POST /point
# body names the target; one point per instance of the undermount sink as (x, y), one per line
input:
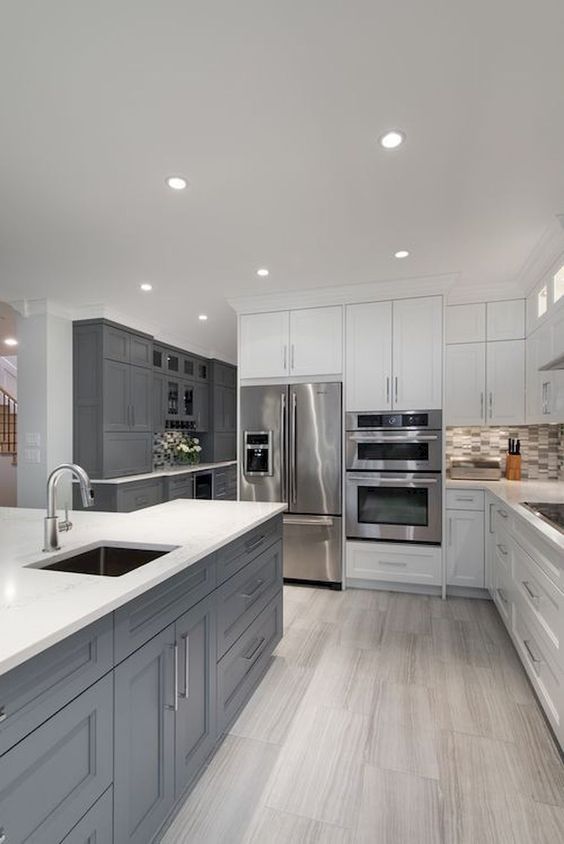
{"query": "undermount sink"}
(106, 560)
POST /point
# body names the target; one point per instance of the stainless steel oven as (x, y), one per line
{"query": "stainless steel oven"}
(394, 479)
(406, 442)
(394, 506)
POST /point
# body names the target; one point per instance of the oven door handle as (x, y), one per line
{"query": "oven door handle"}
(382, 438)
(353, 477)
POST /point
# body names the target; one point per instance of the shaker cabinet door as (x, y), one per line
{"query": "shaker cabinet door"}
(418, 353)
(145, 696)
(316, 337)
(465, 548)
(505, 381)
(263, 340)
(369, 356)
(465, 398)
(117, 404)
(141, 392)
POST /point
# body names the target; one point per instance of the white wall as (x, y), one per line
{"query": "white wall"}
(8, 482)
(44, 401)
(9, 375)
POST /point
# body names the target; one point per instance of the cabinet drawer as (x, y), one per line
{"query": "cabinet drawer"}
(240, 552)
(502, 594)
(542, 598)
(32, 692)
(141, 619)
(244, 596)
(242, 666)
(543, 552)
(501, 517)
(50, 779)
(503, 550)
(544, 674)
(136, 496)
(96, 827)
(465, 499)
(386, 561)
(182, 487)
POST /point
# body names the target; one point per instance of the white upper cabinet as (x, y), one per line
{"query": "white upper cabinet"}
(263, 343)
(417, 353)
(505, 381)
(506, 320)
(316, 341)
(465, 384)
(369, 356)
(466, 323)
(306, 342)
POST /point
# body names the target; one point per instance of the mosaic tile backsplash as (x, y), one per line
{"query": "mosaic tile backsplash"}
(164, 445)
(542, 447)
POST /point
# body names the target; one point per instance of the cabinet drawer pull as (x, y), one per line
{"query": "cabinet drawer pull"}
(173, 706)
(3, 716)
(491, 525)
(256, 649)
(254, 591)
(502, 513)
(186, 692)
(502, 595)
(395, 563)
(502, 549)
(3, 836)
(465, 498)
(532, 595)
(535, 659)
(251, 544)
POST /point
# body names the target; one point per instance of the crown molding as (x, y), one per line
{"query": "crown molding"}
(372, 291)
(36, 307)
(543, 256)
(469, 294)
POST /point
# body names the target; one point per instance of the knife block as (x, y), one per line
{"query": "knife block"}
(513, 467)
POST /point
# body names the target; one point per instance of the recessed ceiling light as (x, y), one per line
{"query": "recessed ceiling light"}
(392, 139)
(403, 253)
(263, 272)
(11, 341)
(202, 317)
(146, 287)
(176, 182)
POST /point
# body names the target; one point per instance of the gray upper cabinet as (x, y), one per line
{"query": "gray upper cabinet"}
(223, 411)
(160, 401)
(201, 407)
(117, 407)
(141, 399)
(145, 700)
(127, 346)
(196, 716)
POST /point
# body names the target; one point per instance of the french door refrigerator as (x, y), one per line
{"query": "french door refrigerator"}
(291, 451)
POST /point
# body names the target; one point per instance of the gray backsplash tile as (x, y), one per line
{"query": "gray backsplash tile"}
(542, 447)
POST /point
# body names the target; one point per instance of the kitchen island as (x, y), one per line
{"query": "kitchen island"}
(114, 691)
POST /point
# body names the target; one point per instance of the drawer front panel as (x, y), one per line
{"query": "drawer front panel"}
(50, 780)
(542, 598)
(240, 552)
(32, 692)
(502, 594)
(242, 666)
(135, 496)
(97, 826)
(545, 676)
(502, 517)
(544, 554)
(503, 550)
(144, 617)
(244, 596)
(395, 563)
(465, 499)
(182, 487)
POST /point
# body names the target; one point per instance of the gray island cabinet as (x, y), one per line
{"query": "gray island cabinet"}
(103, 734)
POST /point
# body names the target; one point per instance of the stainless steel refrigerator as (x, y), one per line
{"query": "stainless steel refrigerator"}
(291, 451)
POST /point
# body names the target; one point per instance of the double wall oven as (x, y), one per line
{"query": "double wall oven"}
(394, 476)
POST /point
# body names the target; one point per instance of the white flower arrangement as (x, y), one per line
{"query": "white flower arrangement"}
(188, 450)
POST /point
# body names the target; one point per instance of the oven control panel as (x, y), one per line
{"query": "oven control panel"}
(421, 419)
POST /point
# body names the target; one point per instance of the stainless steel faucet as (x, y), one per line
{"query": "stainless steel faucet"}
(52, 524)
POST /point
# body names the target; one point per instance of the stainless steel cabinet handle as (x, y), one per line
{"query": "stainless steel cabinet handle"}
(396, 389)
(532, 595)
(464, 498)
(254, 591)
(450, 530)
(311, 521)
(174, 705)
(292, 365)
(255, 650)
(251, 544)
(481, 405)
(387, 389)
(491, 405)
(502, 595)
(186, 692)
(353, 478)
(502, 549)
(285, 358)
(502, 513)
(3, 713)
(536, 659)
(491, 517)
(294, 449)
(394, 563)
(371, 437)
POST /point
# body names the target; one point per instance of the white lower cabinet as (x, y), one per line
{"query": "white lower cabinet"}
(394, 562)
(465, 548)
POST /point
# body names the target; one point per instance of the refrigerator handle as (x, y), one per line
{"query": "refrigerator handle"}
(294, 471)
(283, 467)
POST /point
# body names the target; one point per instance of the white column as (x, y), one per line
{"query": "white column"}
(44, 399)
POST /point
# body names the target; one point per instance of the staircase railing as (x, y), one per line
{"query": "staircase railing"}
(8, 424)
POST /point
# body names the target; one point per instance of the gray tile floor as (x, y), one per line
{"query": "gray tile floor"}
(385, 718)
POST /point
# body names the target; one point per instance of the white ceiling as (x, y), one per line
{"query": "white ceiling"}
(272, 111)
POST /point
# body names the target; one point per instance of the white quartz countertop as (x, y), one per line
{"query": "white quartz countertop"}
(165, 473)
(514, 493)
(40, 608)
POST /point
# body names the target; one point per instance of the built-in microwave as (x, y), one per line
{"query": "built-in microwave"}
(389, 442)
